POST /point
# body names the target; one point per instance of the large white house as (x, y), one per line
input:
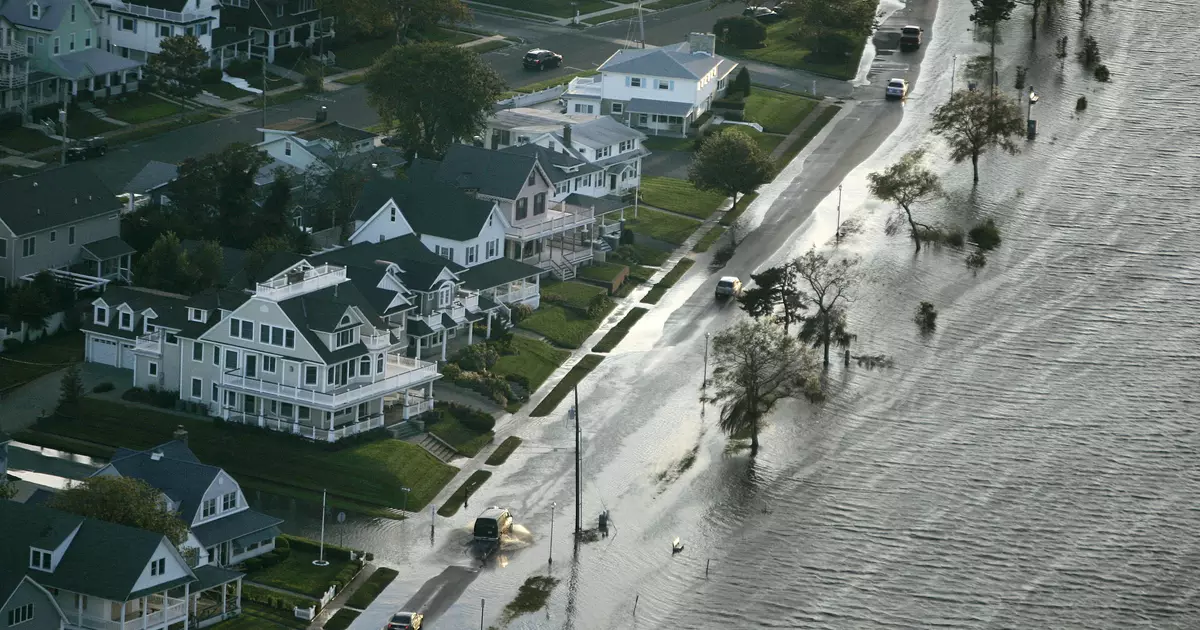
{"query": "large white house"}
(136, 29)
(662, 90)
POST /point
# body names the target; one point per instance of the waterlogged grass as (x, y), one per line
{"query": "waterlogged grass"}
(576, 295)
(808, 134)
(370, 589)
(534, 358)
(662, 226)
(502, 452)
(680, 196)
(618, 332)
(572, 378)
(708, 239)
(659, 290)
(341, 619)
(777, 112)
(564, 326)
(736, 211)
(464, 492)
(531, 597)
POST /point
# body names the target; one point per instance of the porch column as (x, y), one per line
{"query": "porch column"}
(238, 601)
(292, 36)
(444, 344)
(489, 325)
(146, 607)
(224, 597)
(429, 393)
(124, 605)
(407, 402)
(79, 611)
(470, 333)
(187, 594)
(418, 347)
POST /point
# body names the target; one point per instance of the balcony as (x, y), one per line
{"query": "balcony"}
(298, 283)
(175, 612)
(12, 52)
(304, 430)
(400, 373)
(377, 341)
(585, 87)
(558, 219)
(150, 344)
(13, 78)
(516, 292)
(157, 14)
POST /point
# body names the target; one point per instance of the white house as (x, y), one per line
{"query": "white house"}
(136, 29)
(303, 142)
(663, 90)
(519, 125)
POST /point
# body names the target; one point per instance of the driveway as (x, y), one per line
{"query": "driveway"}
(23, 406)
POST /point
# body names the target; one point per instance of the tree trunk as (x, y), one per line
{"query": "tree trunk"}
(916, 236)
(975, 165)
(1033, 18)
(754, 436)
(992, 78)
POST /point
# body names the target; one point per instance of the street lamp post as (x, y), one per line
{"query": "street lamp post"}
(405, 491)
(706, 337)
(552, 506)
(1030, 123)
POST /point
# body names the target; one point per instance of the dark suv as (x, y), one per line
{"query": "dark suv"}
(86, 148)
(910, 37)
(539, 59)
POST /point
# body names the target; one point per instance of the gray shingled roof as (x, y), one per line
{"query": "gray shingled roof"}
(430, 207)
(184, 480)
(554, 162)
(663, 108)
(603, 131)
(234, 526)
(497, 272)
(169, 307)
(492, 173)
(108, 248)
(17, 12)
(92, 62)
(673, 62)
(321, 310)
(59, 196)
(153, 175)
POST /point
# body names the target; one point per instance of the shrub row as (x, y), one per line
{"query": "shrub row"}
(267, 560)
(312, 546)
(274, 599)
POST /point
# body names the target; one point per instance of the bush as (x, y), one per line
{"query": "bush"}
(926, 317)
(1081, 104)
(478, 358)
(253, 564)
(451, 371)
(598, 306)
(735, 116)
(1101, 73)
(521, 312)
(741, 32)
(741, 83)
(729, 104)
(10, 120)
(100, 388)
(282, 543)
(208, 76)
(11, 344)
(472, 419)
(985, 235)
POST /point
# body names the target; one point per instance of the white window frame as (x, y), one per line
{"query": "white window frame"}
(71, 235)
(29, 246)
(152, 368)
(197, 388)
(445, 295)
(663, 84)
(87, 38)
(617, 108)
(56, 45)
(344, 338)
(316, 375)
(269, 364)
(18, 615)
(208, 508)
(164, 30)
(238, 328)
(472, 254)
(491, 249)
(635, 82)
(71, 37)
(100, 315)
(53, 235)
(287, 147)
(39, 559)
(229, 500)
(121, 320)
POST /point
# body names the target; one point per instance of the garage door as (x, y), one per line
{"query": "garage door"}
(104, 351)
(127, 356)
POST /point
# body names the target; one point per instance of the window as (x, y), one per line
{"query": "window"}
(101, 316)
(634, 81)
(87, 38)
(393, 215)
(147, 327)
(72, 14)
(364, 366)
(29, 44)
(550, 145)
(127, 24)
(126, 321)
(57, 45)
(581, 108)
(20, 614)
(216, 355)
(626, 145)
(310, 375)
(445, 252)
(522, 208)
(491, 249)
(279, 11)
(603, 152)
(269, 364)
(39, 559)
(210, 508)
(289, 339)
(81, 601)
(287, 147)
(196, 315)
(158, 567)
(29, 247)
(71, 38)
(71, 235)
(472, 254)
(277, 336)
(231, 360)
(531, 179)
(618, 108)
(197, 388)
(216, 394)
(444, 295)
(53, 235)
(35, 10)
(241, 329)
(189, 30)
(539, 204)
(229, 501)
(172, 339)
(306, 5)
(344, 338)
(202, 29)
(152, 367)
(164, 30)
(663, 84)
(379, 364)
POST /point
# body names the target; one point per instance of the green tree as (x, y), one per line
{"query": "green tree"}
(739, 31)
(8, 489)
(774, 294)
(732, 163)
(990, 13)
(975, 121)
(213, 196)
(176, 68)
(275, 218)
(408, 86)
(905, 184)
(741, 82)
(833, 24)
(70, 395)
(262, 251)
(402, 16)
(826, 286)
(206, 262)
(30, 306)
(123, 500)
(756, 366)
(166, 266)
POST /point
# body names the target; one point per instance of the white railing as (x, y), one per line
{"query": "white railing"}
(157, 14)
(402, 373)
(561, 218)
(156, 618)
(585, 86)
(151, 343)
(13, 51)
(418, 408)
(289, 285)
(14, 78)
(470, 300)
(377, 342)
(516, 295)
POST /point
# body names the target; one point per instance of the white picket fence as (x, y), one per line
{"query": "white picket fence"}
(308, 614)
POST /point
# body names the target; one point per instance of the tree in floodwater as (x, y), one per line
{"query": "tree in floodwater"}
(973, 122)
(826, 285)
(991, 13)
(906, 183)
(774, 294)
(757, 365)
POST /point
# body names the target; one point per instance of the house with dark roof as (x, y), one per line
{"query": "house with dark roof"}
(65, 220)
(462, 222)
(149, 185)
(661, 90)
(124, 318)
(26, 603)
(276, 24)
(135, 30)
(305, 143)
(221, 524)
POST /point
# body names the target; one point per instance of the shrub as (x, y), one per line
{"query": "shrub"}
(10, 120)
(598, 306)
(985, 235)
(741, 32)
(926, 317)
(242, 67)
(735, 116)
(729, 104)
(741, 83)
(521, 312)
(519, 379)
(478, 357)
(253, 564)
(208, 76)
(11, 344)
(626, 237)
(473, 419)
(282, 543)
(1081, 104)
(100, 388)
(451, 371)
(1101, 73)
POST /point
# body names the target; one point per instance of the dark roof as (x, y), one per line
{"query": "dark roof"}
(208, 576)
(233, 259)
(108, 248)
(665, 108)
(321, 310)
(430, 207)
(5, 438)
(103, 560)
(261, 14)
(41, 496)
(602, 205)
(55, 197)
(419, 266)
(233, 526)
(184, 480)
(168, 306)
(554, 162)
(17, 12)
(153, 175)
(497, 272)
(492, 173)
(218, 299)
(418, 328)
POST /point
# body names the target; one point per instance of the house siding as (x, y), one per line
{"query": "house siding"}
(380, 226)
(222, 485)
(492, 232)
(260, 311)
(45, 615)
(84, 19)
(175, 568)
(147, 38)
(60, 253)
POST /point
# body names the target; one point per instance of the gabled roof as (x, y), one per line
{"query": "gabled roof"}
(178, 474)
(492, 173)
(534, 120)
(17, 12)
(497, 272)
(92, 62)
(555, 163)
(154, 175)
(430, 207)
(104, 559)
(675, 62)
(419, 267)
(169, 307)
(236, 525)
(107, 249)
(46, 199)
(310, 129)
(603, 131)
(321, 310)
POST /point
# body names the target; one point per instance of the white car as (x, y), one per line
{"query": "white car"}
(896, 89)
(729, 286)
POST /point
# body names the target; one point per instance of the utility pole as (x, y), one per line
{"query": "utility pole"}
(704, 384)
(837, 229)
(553, 506)
(578, 474)
(264, 95)
(641, 26)
(62, 119)
(321, 562)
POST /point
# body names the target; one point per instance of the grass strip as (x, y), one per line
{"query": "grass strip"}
(618, 332)
(487, 47)
(808, 134)
(341, 619)
(662, 226)
(531, 597)
(464, 492)
(502, 452)
(655, 294)
(32, 360)
(371, 588)
(353, 79)
(680, 196)
(565, 326)
(572, 378)
(735, 212)
(707, 241)
(535, 359)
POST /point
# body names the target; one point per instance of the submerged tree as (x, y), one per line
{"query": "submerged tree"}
(70, 393)
(973, 122)
(907, 183)
(826, 285)
(774, 294)
(991, 13)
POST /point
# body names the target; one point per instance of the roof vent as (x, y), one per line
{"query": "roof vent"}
(155, 456)
(35, 184)
(39, 211)
(77, 201)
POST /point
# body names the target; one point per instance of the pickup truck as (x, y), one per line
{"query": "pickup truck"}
(910, 37)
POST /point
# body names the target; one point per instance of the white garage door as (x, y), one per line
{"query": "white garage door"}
(127, 356)
(104, 351)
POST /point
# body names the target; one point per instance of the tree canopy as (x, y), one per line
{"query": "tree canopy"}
(168, 266)
(176, 68)
(975, 121)
(774, 294)
(732, 163)
(907, 183)
(412, 90)
(123, 500)
(826, 285)
(401, 17)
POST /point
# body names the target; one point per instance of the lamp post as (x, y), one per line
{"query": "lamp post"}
(706, 338)
(552, 506)
(1030, 123)
(405, 491)
(62, 121)
(953, 71)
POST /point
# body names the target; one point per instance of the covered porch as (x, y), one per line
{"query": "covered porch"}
(95, 73)
(504, 281)
(237, 537)
(112, 258)
(229, 44)
(660, 118)
(266, 42)
(217, 595)
(143, 610)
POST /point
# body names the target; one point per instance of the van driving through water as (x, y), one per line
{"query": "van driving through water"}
(492, 524)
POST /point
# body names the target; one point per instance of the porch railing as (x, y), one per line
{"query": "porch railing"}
(156, 14)
(402, 373)
(10, 52)
(563, 217)
(516, 295)
(361, 425)
(14, 78)
(150, 344)
(156, 618)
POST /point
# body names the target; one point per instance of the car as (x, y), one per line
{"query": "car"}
(404, 621)
(729, 286)
(763, 14)
(86, 148)
(896, 89)
(540, 59)
(910, 37)
(492, 524)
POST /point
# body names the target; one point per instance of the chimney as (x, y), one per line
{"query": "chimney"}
(567, 136)
(704, 43)
(180, 434)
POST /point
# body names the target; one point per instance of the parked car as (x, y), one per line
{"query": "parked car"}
(896, 89)
(763, 14)
(405, 621)
(493, 523)
(540, 59)
(86, 148)
(910, 37)
(729, 286)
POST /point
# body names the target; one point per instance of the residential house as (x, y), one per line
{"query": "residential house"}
(64, 220)
(123, 314)
(28, 604)
(519, 125)
(222, 528)
(5, 439)
(276, 24)
(466, 228)
(135, 30)
(149, 185)
(50, 49)
(303, 142)
(662, 90)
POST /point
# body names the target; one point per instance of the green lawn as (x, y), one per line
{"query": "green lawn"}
(668, 281)
(665, 227)
(604, 272)
(708, 239)
(341, 619)
(298, 574)
(226, 91)
(808, 134)
(777, 112)
(563, 326)
(636, 255)
(362, 53)
(782, 51)
(511, 13)
(535, 359)
(659, 5)
(530, 88)
(557, 8)
(576, 295)
(463, 493)
(259, 617)
(81, 124)
(450, 37)
(736, 212)
(369, 473)
(369, 590)
(665, 143)
(618, 332)
(572, 378)
(680, 196)
(31, 360)
(140, 107)
(26, 140)
(502, 452)
(450, 428)
(623, 14)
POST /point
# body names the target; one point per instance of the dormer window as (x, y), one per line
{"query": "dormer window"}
(444, 295)
(197, 315)
(147, 327)
(35, 11)
(39, 559)
(101, 316)
(126, 320)
(344, 338)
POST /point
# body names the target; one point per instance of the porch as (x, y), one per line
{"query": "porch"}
(265, 43)
(228, 44)
(399, 373)
(218, 595)
(660, 118)
(561, 254)
(150, 611)
(95, 73)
